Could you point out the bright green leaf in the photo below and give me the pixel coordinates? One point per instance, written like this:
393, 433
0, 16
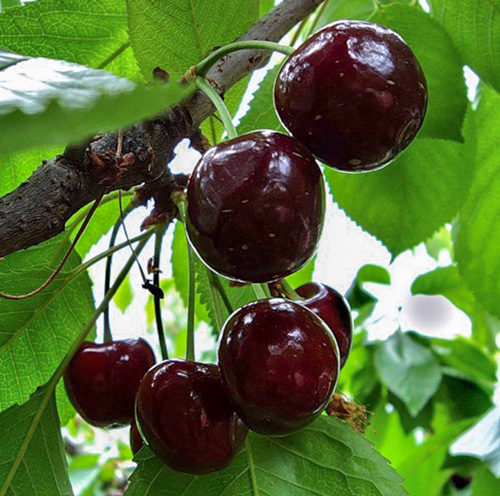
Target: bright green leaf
124, 295
324, 459
266, 6
441, 63
485, 483
62, 102
408, 369
474, 26
42, 469
478, 239
404, 203
36, 333
346, 9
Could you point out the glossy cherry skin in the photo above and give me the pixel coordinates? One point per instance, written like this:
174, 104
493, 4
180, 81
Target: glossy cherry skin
186, 417
102, 380
280, 363
136, 442
256, 207
333, 308
354, 94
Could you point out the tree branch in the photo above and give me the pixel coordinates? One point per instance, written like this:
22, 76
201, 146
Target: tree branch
39, 208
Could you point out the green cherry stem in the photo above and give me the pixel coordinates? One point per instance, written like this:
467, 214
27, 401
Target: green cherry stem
206, 64
219, 104
289, 291
51, 385
159, 233
107, 278
214, 279
181, 203
260, 292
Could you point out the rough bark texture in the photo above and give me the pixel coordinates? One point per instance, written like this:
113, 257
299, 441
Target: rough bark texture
39, 208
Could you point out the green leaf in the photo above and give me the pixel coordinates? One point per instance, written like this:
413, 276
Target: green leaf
478, 237
324, 459
36, 333
482, 441
42, 469
404, 203
303, 275
446, 281
346, 9
87, 33
441, 63
124, 295
61, 102
266, 6
408, 369
176, 34
485, 483
262, 114
474, 26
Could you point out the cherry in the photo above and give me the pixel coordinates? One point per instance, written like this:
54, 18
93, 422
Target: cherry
256, 207
354, 94
332, 307
102, 380
136, 442
280, 363
186, 417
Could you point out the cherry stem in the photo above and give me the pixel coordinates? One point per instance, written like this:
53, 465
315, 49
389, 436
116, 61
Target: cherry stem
160, 232
206, 64
219, 104
107, 278
260, 292
214, 278
61, 265
289, 291
51, 385
180, 201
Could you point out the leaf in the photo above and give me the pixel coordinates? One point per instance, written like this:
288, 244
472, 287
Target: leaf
404, 203
46, 102
176, 34
35, 334
474, 26
482, 441
262, 114
266, 6
324, 459
346, 9
446, 281
408, 369
477, 245
42, 469
87, 32
124, 295
484, 483
442, 66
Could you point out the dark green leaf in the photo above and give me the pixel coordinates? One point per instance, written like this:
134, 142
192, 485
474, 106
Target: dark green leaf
483, 441
45, 102
478, 239
485, 483
474, 26
404, 203
324, 459
35, 334
176, 34
88, 33
408, 369
41, 469
441, 63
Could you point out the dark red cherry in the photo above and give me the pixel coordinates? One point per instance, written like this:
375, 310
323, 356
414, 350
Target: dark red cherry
102, 380
256, 207
136, 442
280, 363
333, 308
354, 94
186, 417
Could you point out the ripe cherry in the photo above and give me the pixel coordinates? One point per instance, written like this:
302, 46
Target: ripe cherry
256, 207
280, 363
136, 442
102, 380
332, 307
354, 94
186, 417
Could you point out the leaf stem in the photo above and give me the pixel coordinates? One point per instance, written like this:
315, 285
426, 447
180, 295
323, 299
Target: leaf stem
51, 385
160, 232
219, 104
206, 64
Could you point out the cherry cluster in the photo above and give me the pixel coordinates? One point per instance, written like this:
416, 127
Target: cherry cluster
354, 96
